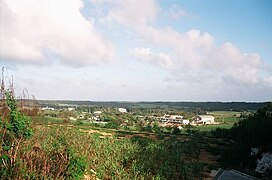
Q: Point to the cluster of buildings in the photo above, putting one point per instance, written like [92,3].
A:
[166,119]
[178,119]
[122,110]
[96,116]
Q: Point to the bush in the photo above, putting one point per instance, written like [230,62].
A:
[175,130]
[14,130]
[79,123]
[220,133]
[76,167]
[254,131]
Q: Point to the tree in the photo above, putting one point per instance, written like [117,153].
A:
[254,131]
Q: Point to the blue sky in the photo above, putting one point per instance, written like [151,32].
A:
[125,50]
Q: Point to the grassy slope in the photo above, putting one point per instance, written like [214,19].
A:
[209,128]
[51,151]
[225,116]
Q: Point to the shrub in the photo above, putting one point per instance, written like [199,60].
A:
[14,130]
[254,131]
[76,167]
[220,133]
[175,130]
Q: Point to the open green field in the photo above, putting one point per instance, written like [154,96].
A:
[226,116]
[209,128]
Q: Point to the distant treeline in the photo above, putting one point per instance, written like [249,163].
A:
[211,106]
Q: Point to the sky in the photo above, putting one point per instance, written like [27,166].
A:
[144,50]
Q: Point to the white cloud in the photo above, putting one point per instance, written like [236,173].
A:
[147,56]
[191,52]
[176,12]
[133,13]
[39,32]
[35,31]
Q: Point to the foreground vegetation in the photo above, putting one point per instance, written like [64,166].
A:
[58,152]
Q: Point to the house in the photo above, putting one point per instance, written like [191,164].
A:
[170,118]
[97,113]
[122,110]
[203,119]
[233,174]
[48,108]
[185,121]
[71,109]
[95,116]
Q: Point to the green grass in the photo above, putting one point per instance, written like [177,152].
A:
[48,120]
[226,116]
[209,128]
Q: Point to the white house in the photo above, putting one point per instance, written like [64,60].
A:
[185,121]
[97,113]
[203,119]
[94,118]
[170,118]
[122,110]
[48,108]
[71,109]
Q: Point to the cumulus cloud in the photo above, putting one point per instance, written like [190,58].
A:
[193,52]
[176,12]
[147,56]
[133,13]
[39,31]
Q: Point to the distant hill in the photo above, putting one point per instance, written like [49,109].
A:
[211,106]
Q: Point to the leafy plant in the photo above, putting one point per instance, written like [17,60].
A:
[76,167]
[14,130]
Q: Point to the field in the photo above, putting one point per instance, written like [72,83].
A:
[226,120]
[228,117]
[209,128]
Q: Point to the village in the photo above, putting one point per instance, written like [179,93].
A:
[102,117]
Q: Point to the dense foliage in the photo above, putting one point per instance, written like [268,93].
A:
[254,131]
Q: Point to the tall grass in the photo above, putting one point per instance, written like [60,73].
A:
[67,153]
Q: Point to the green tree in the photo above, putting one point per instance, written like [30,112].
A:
[254,131]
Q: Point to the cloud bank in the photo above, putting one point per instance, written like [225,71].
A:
[38,32]
[85,33]
[190,52]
